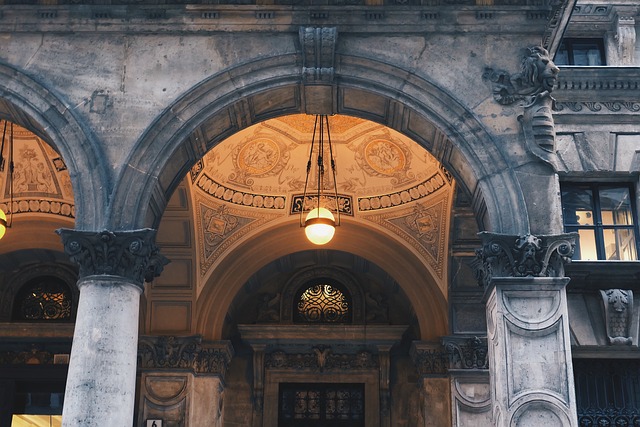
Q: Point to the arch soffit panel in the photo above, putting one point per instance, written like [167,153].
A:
[35,107]
[390,254]
[267,88]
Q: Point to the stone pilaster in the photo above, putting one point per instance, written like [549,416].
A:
[102,371]
[530,364]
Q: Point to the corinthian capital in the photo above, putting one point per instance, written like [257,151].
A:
[130,254]
[505,255]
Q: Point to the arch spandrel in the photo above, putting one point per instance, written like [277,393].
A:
[404,101]
[34,107]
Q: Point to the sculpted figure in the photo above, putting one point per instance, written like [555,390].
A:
[536,79]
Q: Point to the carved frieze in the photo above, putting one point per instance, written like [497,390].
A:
[190,353]
[429,359]
[130,254]
[321,358]
[504,255]
[467,353]
[618,313]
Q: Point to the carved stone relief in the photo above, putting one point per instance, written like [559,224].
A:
[130,254]
[626,38]
[533,86]
[169,352]
[318,53]
[618,313]
[522,256]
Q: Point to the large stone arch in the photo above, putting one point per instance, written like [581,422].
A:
[271,87]
[382,248]
[26,102]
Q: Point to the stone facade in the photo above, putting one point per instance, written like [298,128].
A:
[166,144]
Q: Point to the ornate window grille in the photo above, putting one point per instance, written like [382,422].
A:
[321,405]
[608,392]
[323,302]
[44,298]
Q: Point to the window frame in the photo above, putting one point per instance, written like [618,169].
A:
[598,227]
[569,43]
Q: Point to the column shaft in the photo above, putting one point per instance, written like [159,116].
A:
[530,353]
[102,371]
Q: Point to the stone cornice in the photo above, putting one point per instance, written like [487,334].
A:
[151,17]
[597,84]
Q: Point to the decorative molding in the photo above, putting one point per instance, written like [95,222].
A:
[467,352]
[345,203]
[626,38]
[429,358]
[398,198]
[318,53]
[130,254]
[190,353]
[322,358]
[243,198]
[504,255]
[599,106]
[618,313]
[559,16]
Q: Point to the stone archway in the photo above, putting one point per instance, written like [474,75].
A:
[34,107]
[271,87]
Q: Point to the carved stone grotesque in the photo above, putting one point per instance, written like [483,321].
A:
[618,312]
[521,256]
[533,86]
[536,79]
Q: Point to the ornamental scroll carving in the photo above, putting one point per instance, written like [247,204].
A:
[504,255]
[456,352]
[618,313]
[130,254]
[169,352]
[532,86]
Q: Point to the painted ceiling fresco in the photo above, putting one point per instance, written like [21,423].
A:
[41,182]
[382,177]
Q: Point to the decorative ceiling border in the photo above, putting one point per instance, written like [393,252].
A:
[223,193]
[419,191]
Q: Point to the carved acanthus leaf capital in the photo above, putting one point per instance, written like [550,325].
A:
[467,352]
[505,255]
[130,254]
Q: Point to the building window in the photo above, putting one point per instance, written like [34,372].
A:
[322,404]
[323,302]
[607,392]
[580,52]
[45,298]
[603,216]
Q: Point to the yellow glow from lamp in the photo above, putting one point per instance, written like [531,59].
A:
[319,226]
[3,223]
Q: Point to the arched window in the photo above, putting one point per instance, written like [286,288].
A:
[44,298]
[322,301]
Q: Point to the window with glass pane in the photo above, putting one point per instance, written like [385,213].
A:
[603,216]
[578,51]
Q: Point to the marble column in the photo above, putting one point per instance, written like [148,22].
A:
[531,375]
[100,386]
